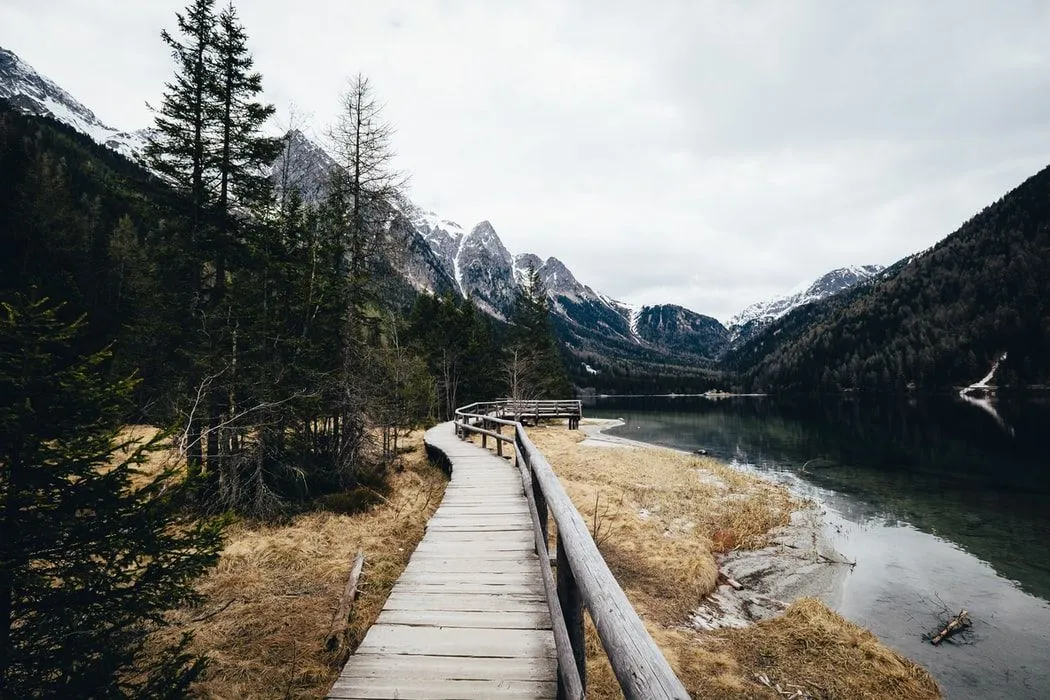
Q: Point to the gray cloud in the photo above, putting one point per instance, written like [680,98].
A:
[702,153]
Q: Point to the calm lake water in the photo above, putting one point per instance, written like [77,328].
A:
[942,503]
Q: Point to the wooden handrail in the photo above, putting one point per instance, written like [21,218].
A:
[584,579]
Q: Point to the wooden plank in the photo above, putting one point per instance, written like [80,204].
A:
[437,546]
[416,689]
[468,508]
[479,517]
[495,525]
[506,536]
[438,668]
[467,602]
[438,551]
[457,641]
[503,619]
[467,565]
[468,587]
[514,578]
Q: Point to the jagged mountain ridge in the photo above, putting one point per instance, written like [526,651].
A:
[30,92]
[824,286]
[436,255]
[758,317]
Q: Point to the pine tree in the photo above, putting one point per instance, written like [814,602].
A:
[181,148]
[242,152]
[533,364]
[182,144]
[89,560]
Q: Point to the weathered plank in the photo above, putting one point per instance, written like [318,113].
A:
[490,577]
[419,689]
[470,566]
[439,668]
[457,641]
[467,587]
[467,602]
[487,619]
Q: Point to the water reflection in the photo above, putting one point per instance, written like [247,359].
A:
[940,501]
[945,465]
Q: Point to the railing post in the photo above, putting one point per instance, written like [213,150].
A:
[499,443]
[484,437]
[572,611]
[541,510]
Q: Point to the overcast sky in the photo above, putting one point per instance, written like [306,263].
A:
[709,154]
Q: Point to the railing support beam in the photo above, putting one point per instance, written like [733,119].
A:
[572,609]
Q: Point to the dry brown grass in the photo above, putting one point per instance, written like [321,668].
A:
[273,594]
[133,437]
[658,514]
[660,517]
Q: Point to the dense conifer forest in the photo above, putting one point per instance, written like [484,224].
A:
[933,321]
[257,329]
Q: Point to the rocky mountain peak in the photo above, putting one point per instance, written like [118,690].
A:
[28,91]
[559,280]
[303,167]
[824,286]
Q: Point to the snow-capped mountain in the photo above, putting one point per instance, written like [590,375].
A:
[438,256]
[757,316]
[32,93]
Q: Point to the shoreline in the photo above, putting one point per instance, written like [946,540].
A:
[757,584]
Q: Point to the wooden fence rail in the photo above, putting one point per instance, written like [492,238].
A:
[583,580]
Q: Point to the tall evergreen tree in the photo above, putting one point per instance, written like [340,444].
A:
[242,151]
[181,149]
[533,363]
[89,560]
[182,144]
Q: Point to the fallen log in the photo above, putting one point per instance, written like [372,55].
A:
[336,641]
[956,624]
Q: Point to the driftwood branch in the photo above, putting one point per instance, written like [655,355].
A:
[341,620]
[956,624]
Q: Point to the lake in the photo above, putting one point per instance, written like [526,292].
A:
[943,503]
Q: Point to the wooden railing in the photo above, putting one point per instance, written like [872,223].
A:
[584,579]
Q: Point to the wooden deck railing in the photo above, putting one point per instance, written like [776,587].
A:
[584,580]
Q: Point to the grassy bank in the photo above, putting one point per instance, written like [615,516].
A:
[660,519]
[272,596]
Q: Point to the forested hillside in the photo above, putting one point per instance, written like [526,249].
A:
[936,320]
[274,339]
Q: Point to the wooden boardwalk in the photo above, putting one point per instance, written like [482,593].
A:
[468,618]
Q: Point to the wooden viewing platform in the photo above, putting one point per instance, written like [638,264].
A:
[477,612]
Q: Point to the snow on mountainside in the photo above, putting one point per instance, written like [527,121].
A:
[34,94]
[824,286]
[436,255]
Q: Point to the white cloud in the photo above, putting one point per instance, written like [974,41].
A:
[702,153]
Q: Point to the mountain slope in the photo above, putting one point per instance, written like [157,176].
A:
[758,316]
[683,331]
[934,320]
[32,93]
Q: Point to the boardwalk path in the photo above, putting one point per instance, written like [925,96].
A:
[468,617]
